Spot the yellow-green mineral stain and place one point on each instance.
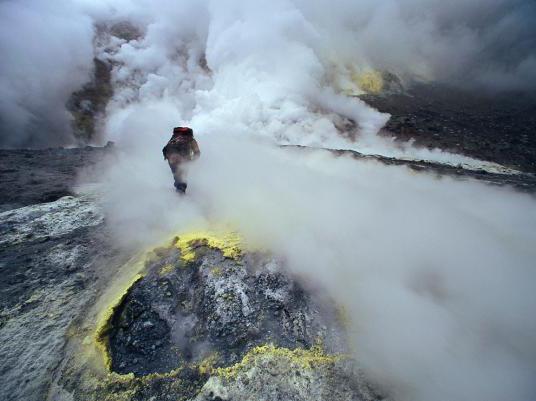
(299, 358)
(166, 269)
(228, 243)
(104, 325)
(369, 81)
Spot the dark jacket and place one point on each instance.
(181, 147)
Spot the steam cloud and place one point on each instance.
(437, 274)
(47, 53)
(297, 48)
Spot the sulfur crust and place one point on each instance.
(299, 357)
(228, 243)
(369, 81)
(342, 315)
(104, 325)
(166, 269)
(206, 366)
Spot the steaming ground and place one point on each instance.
(264, 64)
(437, 274)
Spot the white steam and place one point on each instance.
(281, 89)
(47, 54)
(437, 274)
(286, 53)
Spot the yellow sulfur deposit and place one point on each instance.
(300, 358)
(104, 325)
(369, 81)
(166, 269)
(206, 366)
(229, 243)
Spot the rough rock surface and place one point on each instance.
(48, 220)
(208, 321)
(497, 127)
(30, 176)
(55, 251)
(49, 256)
(88, 104)
(267, 373)
(184, 312)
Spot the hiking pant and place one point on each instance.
(180, 184)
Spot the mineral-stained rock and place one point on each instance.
(211, 320)
(185, 310)
(268, 372)
(88, 104)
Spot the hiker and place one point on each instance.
(181, 148)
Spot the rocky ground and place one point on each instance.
(203, 317)
(32, 176)
(185, 311)
(207, 319)
(488, 126)
(54, 249)
(51, 257)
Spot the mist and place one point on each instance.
(437, 274)
(274, 62)
(47, 54)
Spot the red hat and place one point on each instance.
(182, 131)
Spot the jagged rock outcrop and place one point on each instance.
(88, 104)
(190, 307)
(267, 373)
(206, 319)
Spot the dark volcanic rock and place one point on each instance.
(205, 319)
(182, 312)
(52, 257)
(30, 176)
(494, 127)
(54, 251)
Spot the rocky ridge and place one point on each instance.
(204, 319)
